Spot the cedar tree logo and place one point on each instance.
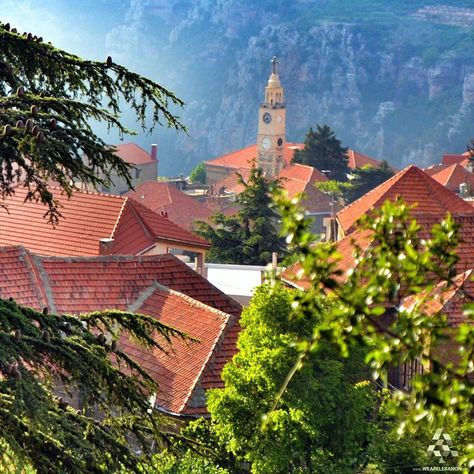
(441, 447)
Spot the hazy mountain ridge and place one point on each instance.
(394, 79)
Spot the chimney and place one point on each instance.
(105, 246)
(154, 156)
(154, 152)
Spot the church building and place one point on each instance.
(274, 155)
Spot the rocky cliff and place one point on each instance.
(394, 79)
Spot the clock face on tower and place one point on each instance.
(266, 143)
(267, 118)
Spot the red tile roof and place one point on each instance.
(82, 284)
(86, 219)
(433, 169)
(358, 160)
(295, 179)
(179, 371)
(453, 176)
(165, 197)
(243, 158)
(363, 239)
(133, 154)
(415, 187)
(449, 301)
(451, 159)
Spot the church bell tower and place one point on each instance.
(271, 126)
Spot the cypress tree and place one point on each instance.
(324, 151)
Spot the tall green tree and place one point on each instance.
(251, 235)
(48, 101)
(384, 303)
(324, 151)
(365, 179)
(320, 425)
(198, 174)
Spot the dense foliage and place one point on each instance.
(362, 180)
(323, 151)
(383, 304)
(321, 425)
(42, 354)
(198, 174)
(250, 236)
(48, 101)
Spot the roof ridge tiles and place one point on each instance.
(347, 217)
(88, 192)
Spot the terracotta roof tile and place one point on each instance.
(453, 176)
(165, 197)
(415, 187)
(358, 160)
(451, 159)
(178, 371)
(243, 158)
(81, 284)
(133, 154)
(86, 218)
(363, 239)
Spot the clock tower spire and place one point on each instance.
(271, 126)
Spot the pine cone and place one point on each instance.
(29, 125)
(113, 345)
(20, 124)
(45, 336)
(53, 124)
(17, 335)
(101, 339)
(7, 130)
(33, 110)
(40, 137)
(109, 61)
(7, 26)
(45, 310)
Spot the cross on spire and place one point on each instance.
(274, 62)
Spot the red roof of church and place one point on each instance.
(453, 176)
(415, 187)
(165, 197)
(86, 219)
(243, 158)
(133, 154)
(161, 286)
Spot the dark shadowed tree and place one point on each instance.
(366, 178)
(251, 235)
(48, 101)
(323, 151)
